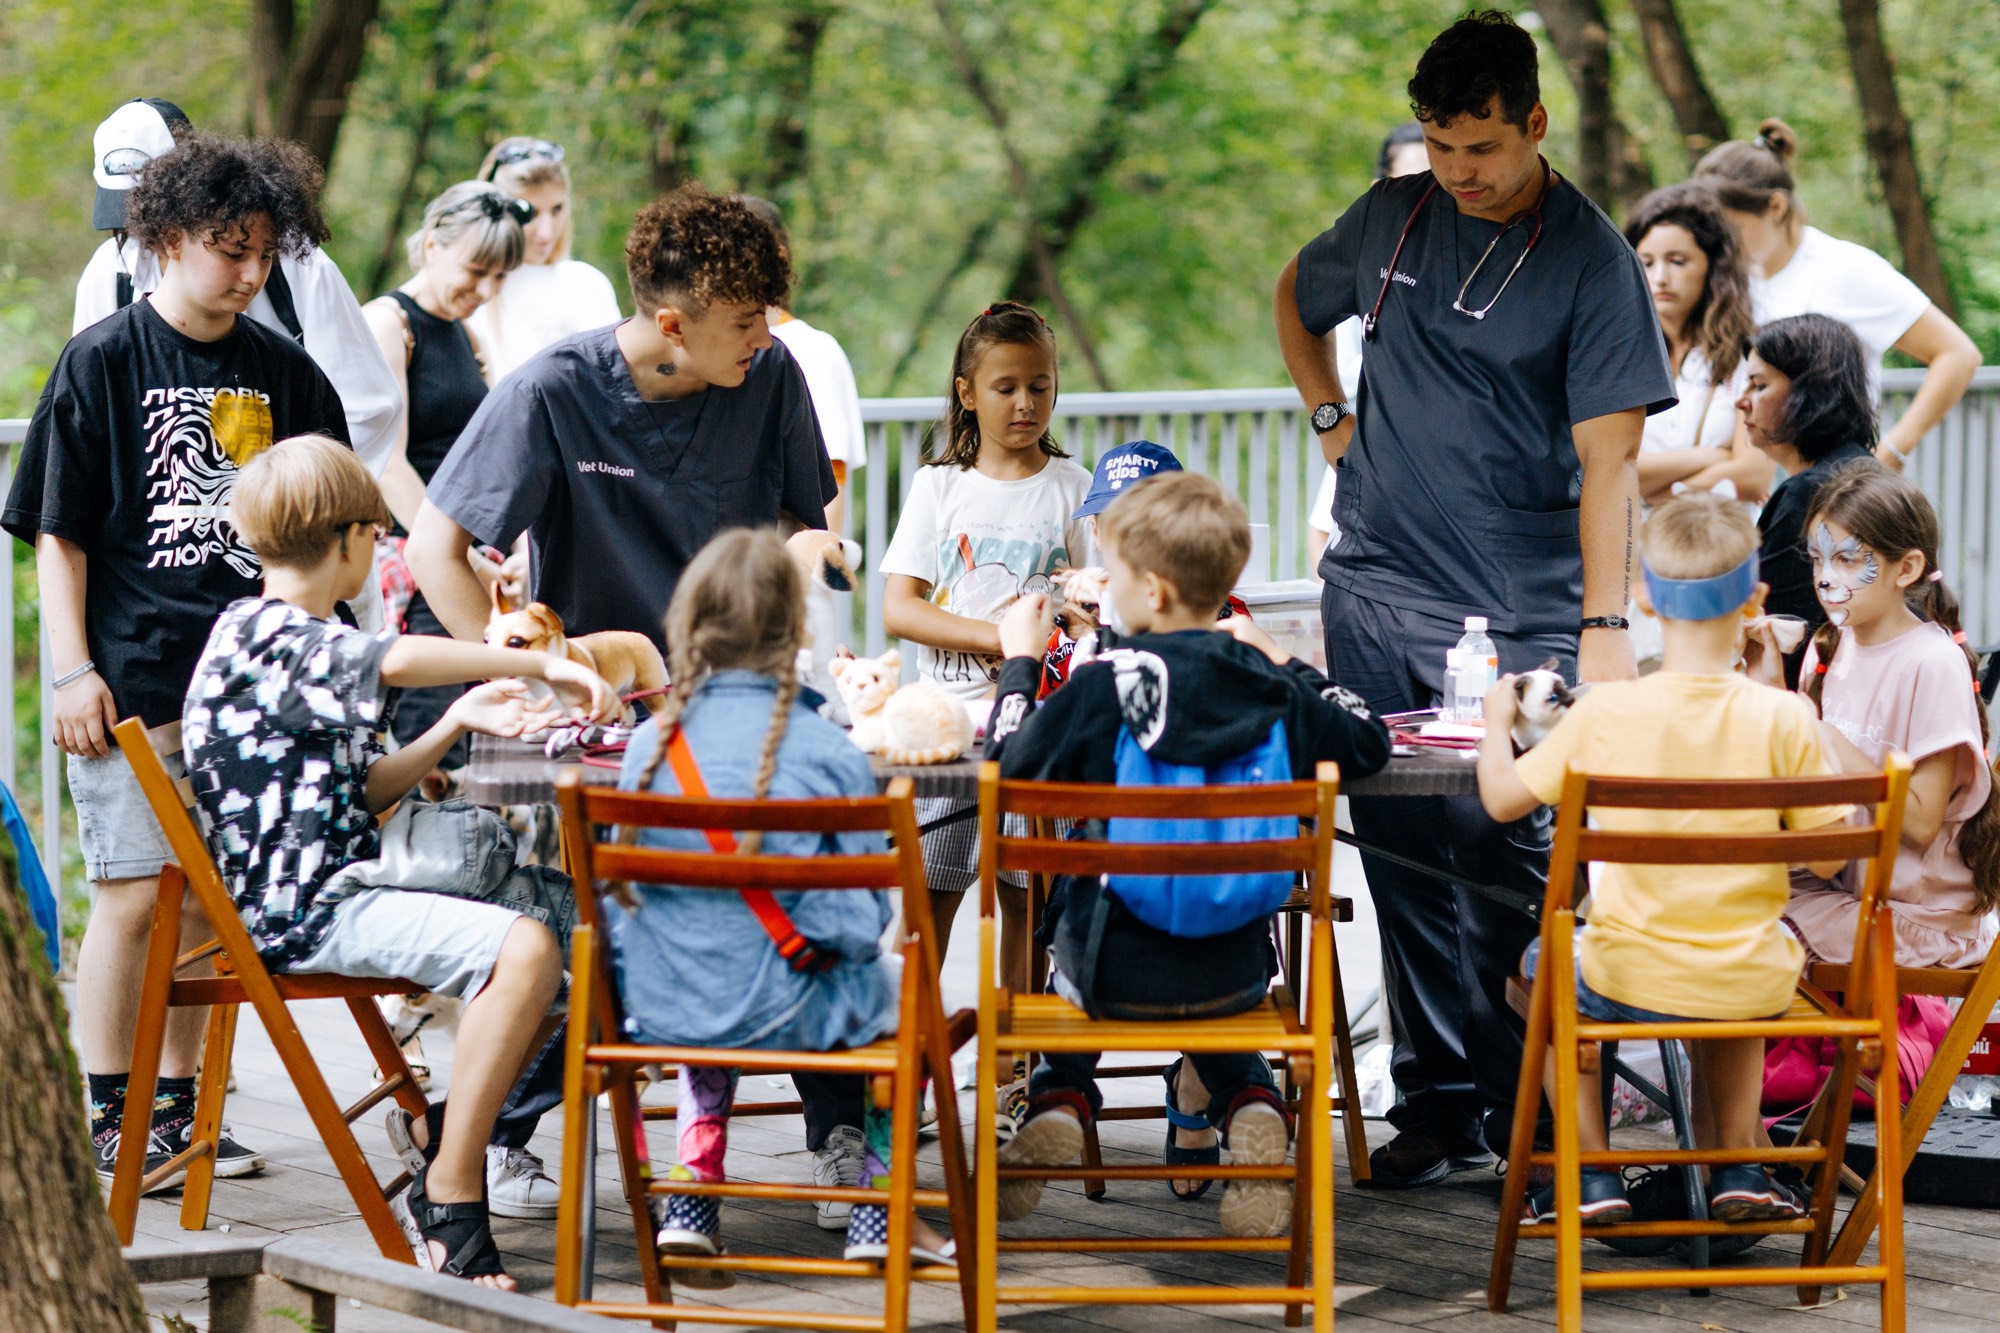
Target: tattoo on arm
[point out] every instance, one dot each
(1625, 598)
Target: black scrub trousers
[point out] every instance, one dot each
(1447, 951)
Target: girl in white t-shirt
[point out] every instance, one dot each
(551, 295)
(989, 516)
(1800, 270)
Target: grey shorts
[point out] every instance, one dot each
(446, 945)
(114, 822)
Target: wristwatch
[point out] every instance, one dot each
(1328, 415)
(1604, 622)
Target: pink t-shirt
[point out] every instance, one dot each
(1915, 693)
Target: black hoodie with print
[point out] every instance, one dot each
(1197, 697)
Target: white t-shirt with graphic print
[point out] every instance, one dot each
(976, 541)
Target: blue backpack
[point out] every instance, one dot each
(1198, 906)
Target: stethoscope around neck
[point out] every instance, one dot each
(1374, 316)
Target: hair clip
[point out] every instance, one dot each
(1819, 668)
(1935, 576)
(1958, 637)
(1009, 307)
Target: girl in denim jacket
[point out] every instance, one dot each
(695, 967)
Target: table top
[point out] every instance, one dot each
(518, 772)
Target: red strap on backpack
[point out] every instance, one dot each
(800, 953)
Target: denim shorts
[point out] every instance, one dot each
(446, 945)
(1589, 1004)
(121, 839)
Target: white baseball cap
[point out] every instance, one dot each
(129, 138)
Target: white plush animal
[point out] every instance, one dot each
(1544, 697)
(913, 724)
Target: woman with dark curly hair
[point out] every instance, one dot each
(123, 490)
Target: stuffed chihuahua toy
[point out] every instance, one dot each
(628, 662)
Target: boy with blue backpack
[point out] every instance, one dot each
(1183, 700)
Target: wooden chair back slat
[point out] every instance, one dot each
(1727, 849)
(608, 805)
(653, 865)
(1096, 800)
(1733, 793)
(1077, 857)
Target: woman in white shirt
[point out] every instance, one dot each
(551, 295)
(1797, 270)
(1700, 288)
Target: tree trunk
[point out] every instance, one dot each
(1671, 60)
(1075, 198)
(301, 83)
(787, 141)
(1890, 145)
(62, 1271)
(1583, 42)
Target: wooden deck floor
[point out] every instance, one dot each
(1405, 1260)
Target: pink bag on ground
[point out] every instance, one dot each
(1796, 1068)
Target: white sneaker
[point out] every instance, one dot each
(841, 1160)
(516, 1184)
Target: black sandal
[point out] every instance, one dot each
(1176, 1155)
(463, 1229)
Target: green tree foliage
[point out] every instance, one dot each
(1261, 130)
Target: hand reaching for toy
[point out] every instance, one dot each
(582, 688)
(514, 577)
(1502, 706)
(1245, 630)
(1026, 626)
(506, 708)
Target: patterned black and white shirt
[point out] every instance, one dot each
(283, 719)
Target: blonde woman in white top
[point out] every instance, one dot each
(1798, 270)
(551, 295)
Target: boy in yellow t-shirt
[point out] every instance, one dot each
(1669, 942)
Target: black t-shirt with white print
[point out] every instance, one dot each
(131, 456)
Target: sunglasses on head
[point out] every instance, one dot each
(495, 207)
(527, 152)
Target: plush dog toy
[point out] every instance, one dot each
(913, 724)
(829, 564)
(628, 662)
(1544, 698)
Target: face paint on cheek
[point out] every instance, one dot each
(1835, 588)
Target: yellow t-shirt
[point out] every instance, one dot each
(1696, 941)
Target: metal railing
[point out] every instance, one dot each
(1258, 443)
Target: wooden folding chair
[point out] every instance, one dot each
(599, 1063)
(1979, 989)
(1864, 1026)
(1010, 1023)
(241, 979)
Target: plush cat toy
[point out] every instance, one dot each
(914, 724)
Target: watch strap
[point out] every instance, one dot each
(1604, 622)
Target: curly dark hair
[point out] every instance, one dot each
(1829, 404)
(1482, 56)
(213, 183)
(693, 248)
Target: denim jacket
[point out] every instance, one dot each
(694, 965)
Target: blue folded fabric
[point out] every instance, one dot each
(34, 883)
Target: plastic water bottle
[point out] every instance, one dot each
(1452, 670)
(1478, 667)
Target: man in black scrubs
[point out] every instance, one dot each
(1487, 470)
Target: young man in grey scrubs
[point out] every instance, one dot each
(1487, 470)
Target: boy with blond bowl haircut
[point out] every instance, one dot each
(1670, 943)
(1182, 690)
(283, 731)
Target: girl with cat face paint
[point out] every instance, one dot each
(1889, 670)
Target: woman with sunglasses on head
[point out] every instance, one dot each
(470, 241)
(1796, 269)
(551, 295)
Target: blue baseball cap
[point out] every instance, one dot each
(1122, 468)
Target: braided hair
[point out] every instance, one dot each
(1888, 514)
(740, 606)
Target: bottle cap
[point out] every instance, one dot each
(1453, 658)
(1475, 624)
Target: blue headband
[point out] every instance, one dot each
(1702, 599)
